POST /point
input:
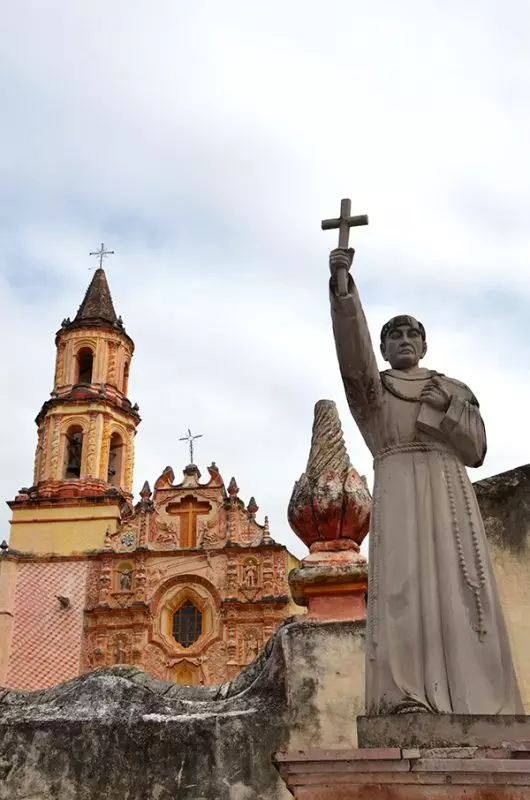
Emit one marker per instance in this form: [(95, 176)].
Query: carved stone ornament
[(331, 501)]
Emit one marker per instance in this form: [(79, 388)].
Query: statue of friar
[(436, 638)]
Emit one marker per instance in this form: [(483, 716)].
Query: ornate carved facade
[(185, 584), (192, 546)]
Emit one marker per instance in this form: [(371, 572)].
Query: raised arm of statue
[(355, 352)]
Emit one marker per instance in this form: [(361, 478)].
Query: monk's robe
[(436, 637)]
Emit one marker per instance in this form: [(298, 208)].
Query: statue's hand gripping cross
[(344, 223)]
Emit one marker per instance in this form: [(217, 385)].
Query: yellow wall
[(8, 579), (74, 529), (512, 571)]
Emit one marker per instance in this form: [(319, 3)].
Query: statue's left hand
[(436, 395)]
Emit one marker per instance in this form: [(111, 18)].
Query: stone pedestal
[(418, 757), (408, 774), (331, 591), (443, 730)]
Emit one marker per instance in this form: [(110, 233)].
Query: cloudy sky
[(204, 142)]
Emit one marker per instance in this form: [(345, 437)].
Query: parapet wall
[(504, 502), (119, 733)]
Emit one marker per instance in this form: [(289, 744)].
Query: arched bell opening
[(73, 453), (115, 466), (85, 365)]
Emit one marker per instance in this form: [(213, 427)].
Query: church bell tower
[(83, 469)]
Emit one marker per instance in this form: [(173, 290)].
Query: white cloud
[(204, 142)]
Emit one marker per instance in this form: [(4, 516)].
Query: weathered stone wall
[(505, 506), (119, 733)]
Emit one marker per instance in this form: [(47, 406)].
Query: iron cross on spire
[(344, 223), (190, 438), (102, 254)]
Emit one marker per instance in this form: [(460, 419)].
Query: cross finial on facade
[(190, 438), (102, 254)]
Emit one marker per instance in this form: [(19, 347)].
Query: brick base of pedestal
[(398, 774)]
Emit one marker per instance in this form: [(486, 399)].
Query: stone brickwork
[(46, 644)]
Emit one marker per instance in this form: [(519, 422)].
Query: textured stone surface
[(330, 500), (400, 775), (504, 502), (120, 733), (320, 576), (442, 730)]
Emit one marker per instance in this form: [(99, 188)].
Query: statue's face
[(403, 347)]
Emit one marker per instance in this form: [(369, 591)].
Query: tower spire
[(97, 305)]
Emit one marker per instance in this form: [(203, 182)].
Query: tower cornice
[(86, 399)]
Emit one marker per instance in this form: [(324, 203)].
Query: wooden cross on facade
[(187, 511), (344, 223)]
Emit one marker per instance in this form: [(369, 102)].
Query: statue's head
[(403, 342)]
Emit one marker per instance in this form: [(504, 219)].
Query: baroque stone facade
[(188, 543)]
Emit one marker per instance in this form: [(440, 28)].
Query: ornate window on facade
[(187, 624)]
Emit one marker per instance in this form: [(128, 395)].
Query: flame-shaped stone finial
[(330, 502)]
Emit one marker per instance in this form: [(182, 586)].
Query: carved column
[(38, 452), (105, 448), (55, 447), (90, 468), (59, 366), (129, 463), (43, 438), (111, 371)]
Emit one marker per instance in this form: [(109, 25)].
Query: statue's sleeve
[(355, 353), (464, 429)]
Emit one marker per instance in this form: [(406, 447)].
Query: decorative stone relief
[(55, 446), (214, 662), (129, 463), (59, 366), (91, 445), (111, 371), (105, 448), (155, 662), (44, 450), (105, 581)]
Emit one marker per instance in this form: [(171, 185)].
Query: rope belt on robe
[(413, 447)]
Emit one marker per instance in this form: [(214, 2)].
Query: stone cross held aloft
[(102, 254), (190, 438), (344, 223)]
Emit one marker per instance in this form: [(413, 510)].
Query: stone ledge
[(386, 774), (443, 730)]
